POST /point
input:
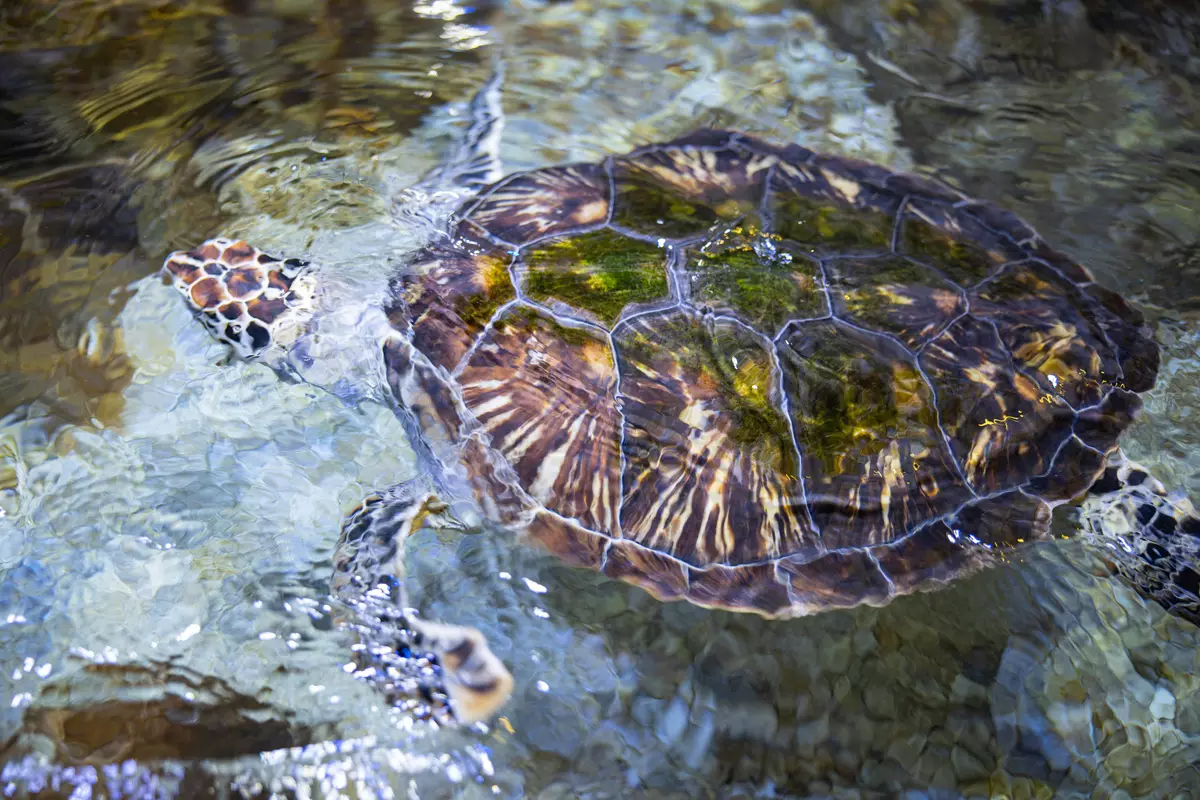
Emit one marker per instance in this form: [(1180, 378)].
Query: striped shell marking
[(895, 296), (450, 295), (545, 394), (999, 424), (711, 474), (676, 191), (876, 463), (534, 205)]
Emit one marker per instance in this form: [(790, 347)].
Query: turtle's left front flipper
[(369, 574), (1152, 537)]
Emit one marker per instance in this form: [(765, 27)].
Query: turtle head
[(250, 300)]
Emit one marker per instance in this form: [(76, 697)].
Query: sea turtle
[(743, 374)]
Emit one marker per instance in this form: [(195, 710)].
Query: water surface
[(169, 516)]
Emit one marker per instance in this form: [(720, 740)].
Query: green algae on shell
[(765, 292), (829, 225), (601, 272), (849, 399), (530, 321), (644, 205), (477, 309), (727, 361)]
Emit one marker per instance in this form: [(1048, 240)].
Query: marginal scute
[(544, 202), (933, 554), (1099, 426), (495, 485), (1126, 328), (417, 385), (743, 272), (711, 471), (572, 543), (603, 273), (1076, 467), (893, 295), (866, 173), (679, 192), (1070, 269), (545, 394), (875, 462), (1000, 220), (710, 138), (1080, 462), (754, 587), (835, 580), (1003, 522), (663, 577), (1003, 425), (921, 186)]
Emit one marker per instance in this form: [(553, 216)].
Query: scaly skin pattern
[(245, 297), (756, 377)]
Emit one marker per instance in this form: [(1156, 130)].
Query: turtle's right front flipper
[(369, 575), (1152, 538)]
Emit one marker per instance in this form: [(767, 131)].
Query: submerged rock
[(110, 713)]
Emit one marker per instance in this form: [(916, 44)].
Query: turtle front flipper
[(1152, 538), (470, 164), (473, 160), (369, 575), (246, 298)]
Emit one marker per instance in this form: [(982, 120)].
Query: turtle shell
[(761, 378)]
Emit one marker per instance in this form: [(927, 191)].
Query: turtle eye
[(260, 337)]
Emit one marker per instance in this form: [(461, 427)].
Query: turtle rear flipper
[(1152, 537), (369, 575), (246, 298)]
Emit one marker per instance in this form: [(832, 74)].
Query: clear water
[(168, 518)]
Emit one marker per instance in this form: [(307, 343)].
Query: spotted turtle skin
[(757, 377)]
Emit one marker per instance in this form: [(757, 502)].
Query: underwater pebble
[(674, 721), (967, 766), (1163, 704), (879, 702), (907, 751), (966, 691)]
